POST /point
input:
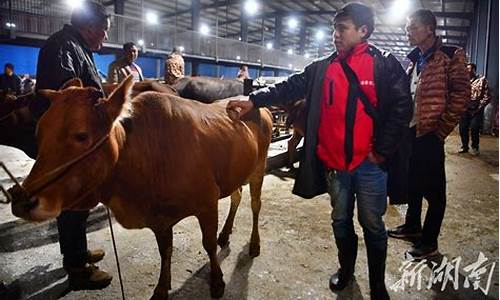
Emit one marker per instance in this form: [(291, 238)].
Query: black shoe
[(405, 232), (421, 251), (348, 250), (463, 150), (88, 277), (339, 281)]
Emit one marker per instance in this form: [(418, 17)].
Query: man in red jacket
[(358, 106)]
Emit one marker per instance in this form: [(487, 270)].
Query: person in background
[(10, 83), (472, 118), (440, 88), (174, 66), (124, 66), (358, 105), (243, 73), (28, 84)]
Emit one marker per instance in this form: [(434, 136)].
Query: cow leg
[(208, 223), (255, 191), (164, 240), (292, 148), (223, 239)]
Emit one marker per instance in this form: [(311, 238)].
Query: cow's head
[(70, 131)]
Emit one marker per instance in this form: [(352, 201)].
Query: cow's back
[(176, 149)]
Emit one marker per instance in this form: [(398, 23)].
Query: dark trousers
[(427, 180), (71, 225), (471, 122)]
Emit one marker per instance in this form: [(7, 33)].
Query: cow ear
[(50, 94), (77, 82), (116, 101)]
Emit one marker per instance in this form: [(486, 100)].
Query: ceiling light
[(151, 18), (140, 42), (251, 7), (320, 35), (204, 29), (74, 4), (181, 48), (307, 55), (290, 51), (293, 23)]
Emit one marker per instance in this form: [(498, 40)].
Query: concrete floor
[(297, 250)]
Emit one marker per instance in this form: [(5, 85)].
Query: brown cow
[(153, 161)]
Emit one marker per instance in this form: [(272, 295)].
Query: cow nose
[(21, 202)]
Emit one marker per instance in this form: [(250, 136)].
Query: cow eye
[(81, 137)]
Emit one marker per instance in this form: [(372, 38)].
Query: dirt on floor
[(298, 254)]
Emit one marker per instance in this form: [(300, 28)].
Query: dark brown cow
[(297, 119), (153, 160)]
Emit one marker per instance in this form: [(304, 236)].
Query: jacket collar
[(356, 50), (415, 53), (72, 31)]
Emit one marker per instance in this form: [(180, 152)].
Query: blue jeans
[(368, 185)]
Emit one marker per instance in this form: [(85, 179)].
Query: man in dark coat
[(358, 106), (68, 54), (10, 83)]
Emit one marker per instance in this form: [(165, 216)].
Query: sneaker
[(463, 150), (405, 232), (475, 151), (88, 277), (94, 256), (421, 251)]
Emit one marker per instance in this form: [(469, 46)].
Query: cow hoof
[(217, 290), (254, 251), (223, 241)]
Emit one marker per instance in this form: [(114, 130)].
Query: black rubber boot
[(347, 249), (376, 272)]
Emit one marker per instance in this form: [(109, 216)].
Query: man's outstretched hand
[(238, 107)]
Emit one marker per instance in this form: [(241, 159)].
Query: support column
[(195, 14), (302, 41), (278, 28)]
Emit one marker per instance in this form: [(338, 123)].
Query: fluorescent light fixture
[(74, 4), (140, 42), (290, 51), (269, 45), (238, 57), (204, 30), (151, 17), (293, 23), (251, 7)]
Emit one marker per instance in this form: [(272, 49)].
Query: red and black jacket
[(345, 130), (394, 107)]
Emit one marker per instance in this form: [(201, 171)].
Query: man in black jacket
[(10, 83), (346, 148), (68, 54)]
